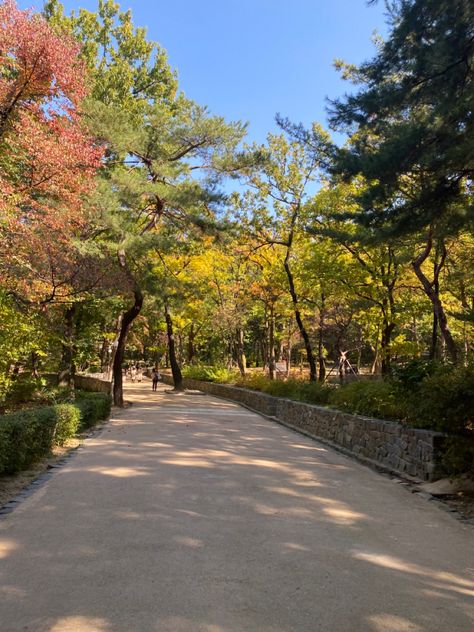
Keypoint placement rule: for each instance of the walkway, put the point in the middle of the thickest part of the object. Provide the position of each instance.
(190, 514)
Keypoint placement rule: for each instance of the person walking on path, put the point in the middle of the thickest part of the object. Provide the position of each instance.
(155, 376)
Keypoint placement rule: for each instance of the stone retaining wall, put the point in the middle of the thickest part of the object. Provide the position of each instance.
(82, 382)
(385, 444)
(95, 384)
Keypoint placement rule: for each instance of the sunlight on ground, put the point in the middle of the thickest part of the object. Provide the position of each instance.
(391, 623)
(12, 591)
(80, 624)
(343, 516)
(193, 543)
(129, 515)
(438, 579)
(7, 547)
(338, 511)
(307, 447)
(119, 472)
(292, 546)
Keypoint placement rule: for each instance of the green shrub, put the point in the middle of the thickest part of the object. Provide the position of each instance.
(93, 407)
(374, 398)
(314, 393)
(25, 436)
(409, 376)
(28, 435)
(220, 374)
(458, 455)
(22, 390)
(445, 401)
(254, 381)
(68, 418)
(310, 392)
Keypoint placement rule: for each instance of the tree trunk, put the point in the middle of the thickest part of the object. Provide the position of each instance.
(34, 364)
(241, 359)
(126, 321)
(113, 348)
(190, 347)
(271, 343)
(434, 329)
(288, 350)
(430, 290)
(375, 361)
(175, 368)
(103, 355)
(321, 361)
(299, 321)
(434, 338)
(385, 350)
(67, 368)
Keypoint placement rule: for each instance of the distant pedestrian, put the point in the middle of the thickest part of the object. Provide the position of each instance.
(155, 376)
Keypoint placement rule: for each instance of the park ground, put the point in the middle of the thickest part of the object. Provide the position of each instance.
(190, 513)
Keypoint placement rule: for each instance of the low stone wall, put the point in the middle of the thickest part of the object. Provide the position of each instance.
(385, 444)
(82, 382)
(95, 384)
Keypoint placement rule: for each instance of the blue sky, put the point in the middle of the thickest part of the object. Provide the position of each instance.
(248, 59)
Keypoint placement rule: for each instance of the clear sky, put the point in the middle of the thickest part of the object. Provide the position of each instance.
(248, 59)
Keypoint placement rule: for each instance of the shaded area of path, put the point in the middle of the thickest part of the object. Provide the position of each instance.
(188, 513)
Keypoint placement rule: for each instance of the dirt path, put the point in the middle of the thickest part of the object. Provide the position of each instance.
(188, 514)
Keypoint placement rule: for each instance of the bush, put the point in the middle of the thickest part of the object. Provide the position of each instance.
(220, 374)
(68, 418)
(376, 399)
(25, 437)
(93, 407)
(28, 435)
(254, 381)
(409, 376)
(444, 400)
(310, 392)
(22, 390)
(314, 393)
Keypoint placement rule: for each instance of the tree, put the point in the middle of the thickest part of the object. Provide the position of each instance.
(378, 266)
(47, 156)
(275, 208)
(158, 142)
(413, 123)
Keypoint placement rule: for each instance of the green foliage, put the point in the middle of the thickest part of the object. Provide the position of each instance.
(444, 400)
(93, 407)
(127, 68)
(254, 381)
(67, 422)
(26, 436)
(310, 392)
(410, 375)
(29, 435)
(458, 455)
(22, 390)
(375, 398)
(413, 115)
(220, 374)
(21, 334)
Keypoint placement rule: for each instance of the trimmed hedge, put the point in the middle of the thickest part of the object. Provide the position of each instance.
(93, 408)
(28, 435)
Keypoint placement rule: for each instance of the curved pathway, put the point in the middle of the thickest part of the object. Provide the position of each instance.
(187, 513)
